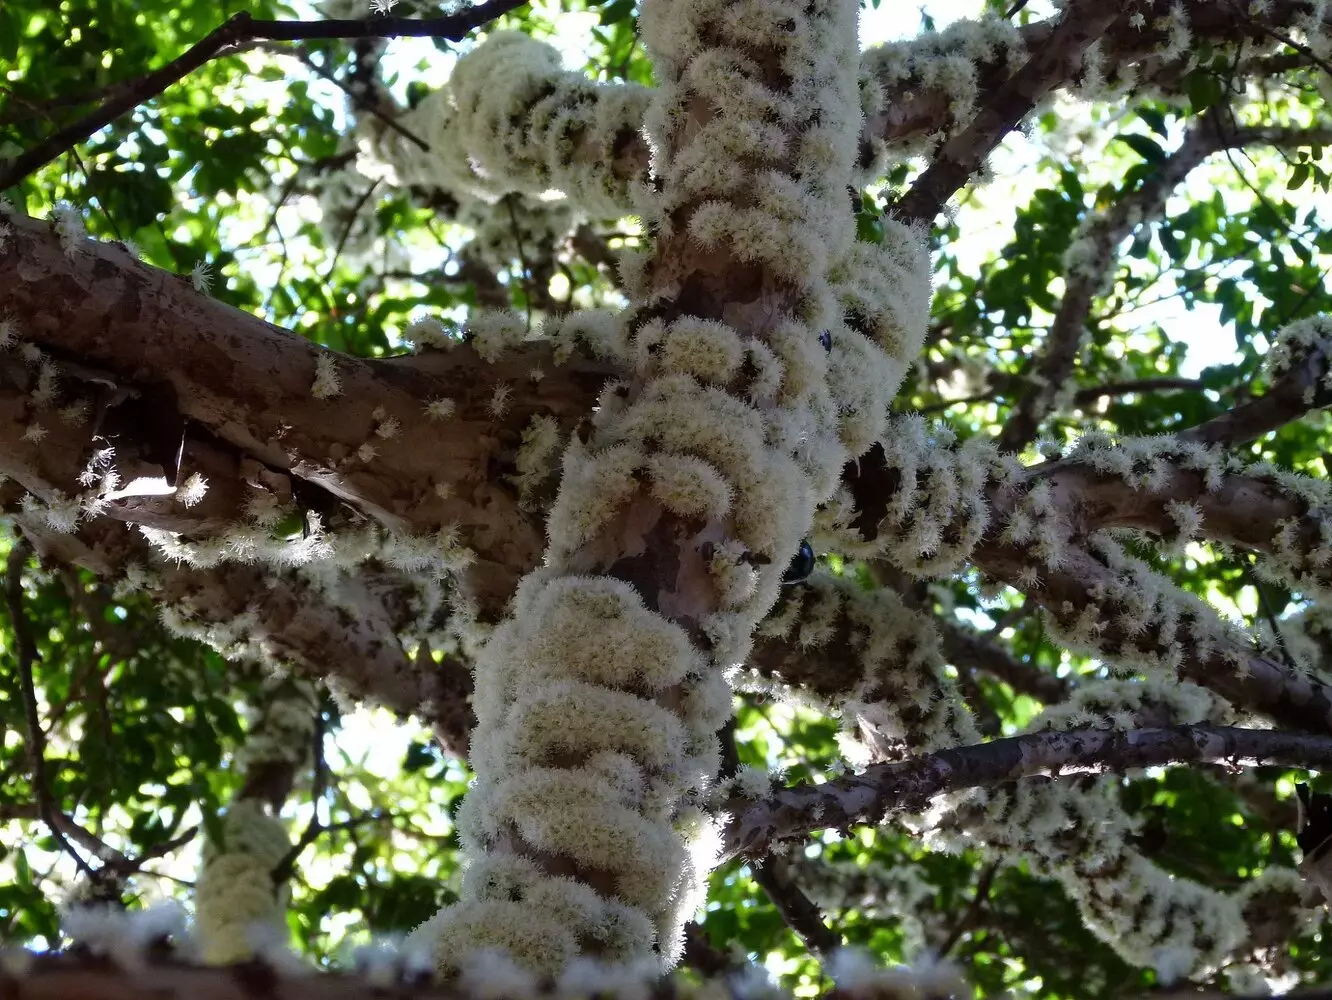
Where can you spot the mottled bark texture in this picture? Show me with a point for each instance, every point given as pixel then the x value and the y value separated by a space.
pixel 157 368
pixel 907 786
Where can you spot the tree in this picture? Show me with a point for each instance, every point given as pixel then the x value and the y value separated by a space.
pixel 607 425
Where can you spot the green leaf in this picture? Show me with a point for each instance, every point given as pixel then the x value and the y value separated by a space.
pixel 869 227
pixel 22 869
pixel 1147 148
pixel 1155 121
pixel 418 757
pixel 1204 90
pixel 618 10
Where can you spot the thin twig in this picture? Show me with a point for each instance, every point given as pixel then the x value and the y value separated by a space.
pixel 358 100
pixel 1268 612
pixel 522 259
pixel 1271 32
pixel 798 910
pixel 238 31
pixel 968 919
pixel 318 787
pixel 25 650
pixel 346 230
pixel 92 190
pixel 792 814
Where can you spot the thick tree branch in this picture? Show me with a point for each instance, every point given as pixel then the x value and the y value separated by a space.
pixel 1236 508
pixel 112 328
pixel 911 110
pixel 965 647
pixel 883 789
pixel 1232 668
pixel 1297 391
pixel 62 976
pixel 1099 607
pixel 1081 24
pixel 284 620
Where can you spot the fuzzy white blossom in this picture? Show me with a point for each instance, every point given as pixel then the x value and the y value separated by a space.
pixel 327 384
pixel 237 902
pixel 201 277
pixel 193 490
pixel 68 223
pixel 577 753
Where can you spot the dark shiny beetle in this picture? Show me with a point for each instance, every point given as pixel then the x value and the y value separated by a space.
pixel 802 564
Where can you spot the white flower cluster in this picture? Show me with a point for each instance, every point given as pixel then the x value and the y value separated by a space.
pixel 266 537
pixel 1301 556
pixel 537 457
pixel 1157 920
pixel 282 726
pixel 326 383
pixel 234 637
pixel 875 891
pixel 950 61
pixel 596 714
pixel 577 759
pixel 1156 624
pixel 1307 636
pixel 124 936
pixel 69 227
pixel 1091 257
pixel 58 512
pixel 903 700
pixel 938 513
pixel 516 228
pixel 599 331
pixel 1179 37
pixel 494 130
pixel 1311 22
pixel 45 393
pixel 884 292
pixel 512 118
pixel 1078 833
pixel 1124 704
pixel 858 975
pixel 258 539
pixel 238 907
pixel 1296 342
pixel 1145 463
